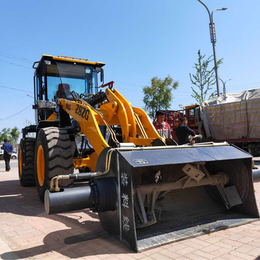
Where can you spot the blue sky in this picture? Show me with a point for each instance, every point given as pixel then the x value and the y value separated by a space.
pixel 136 39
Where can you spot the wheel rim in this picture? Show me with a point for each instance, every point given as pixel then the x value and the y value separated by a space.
pixel 40 165
pixel 20 162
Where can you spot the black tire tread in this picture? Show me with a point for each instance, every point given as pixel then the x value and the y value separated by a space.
pixel 59 156
pixel 27 176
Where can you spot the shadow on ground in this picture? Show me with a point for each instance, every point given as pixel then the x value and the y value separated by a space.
pixel 80 239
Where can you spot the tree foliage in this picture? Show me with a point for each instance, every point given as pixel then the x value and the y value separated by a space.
pixel 158 96
pixel 11 135
pixel 204 78
pixel 15 134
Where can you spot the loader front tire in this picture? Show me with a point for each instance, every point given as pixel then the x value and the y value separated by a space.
pixel 26 167
pixel 53 156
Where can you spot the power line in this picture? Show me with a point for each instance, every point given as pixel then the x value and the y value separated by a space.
pixel 257 84
pixel 15 64
pixel 6 118
pixel 15 57
pixel 16 89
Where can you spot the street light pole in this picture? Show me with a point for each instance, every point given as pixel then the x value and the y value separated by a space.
pixel 224 85
pixel 213 39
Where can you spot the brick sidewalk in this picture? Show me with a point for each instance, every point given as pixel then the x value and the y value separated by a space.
pixel 26 232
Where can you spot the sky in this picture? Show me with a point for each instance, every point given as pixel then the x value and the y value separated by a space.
pixel 137 40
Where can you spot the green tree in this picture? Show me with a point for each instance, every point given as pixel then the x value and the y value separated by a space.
pixel 204 78
pixel 15 134
pixel 4 134
pixel 11 135
pixel 181 106
pixel 158 96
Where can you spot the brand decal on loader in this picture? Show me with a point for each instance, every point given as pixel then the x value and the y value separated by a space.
pixel 140 161
pixel 82 112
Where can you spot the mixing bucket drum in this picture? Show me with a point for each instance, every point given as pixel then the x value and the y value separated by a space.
pixel 168 194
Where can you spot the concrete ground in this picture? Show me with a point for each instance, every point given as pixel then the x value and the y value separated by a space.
pixel 26 232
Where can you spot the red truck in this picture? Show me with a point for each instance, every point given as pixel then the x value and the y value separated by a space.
pixel 190 112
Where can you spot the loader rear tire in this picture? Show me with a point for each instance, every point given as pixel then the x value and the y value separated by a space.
pixel 53 156
pixel 26 171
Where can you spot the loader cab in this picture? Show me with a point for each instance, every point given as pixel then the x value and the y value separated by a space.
pixel 60 77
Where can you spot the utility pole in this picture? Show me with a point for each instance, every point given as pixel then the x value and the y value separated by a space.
pixel 213 39
pixel 224 85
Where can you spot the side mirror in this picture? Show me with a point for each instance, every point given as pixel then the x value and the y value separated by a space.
pixel 98 69
pixel 43 69
pixel 102 75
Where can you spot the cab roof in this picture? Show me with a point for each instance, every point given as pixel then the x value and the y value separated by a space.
pixel 67 59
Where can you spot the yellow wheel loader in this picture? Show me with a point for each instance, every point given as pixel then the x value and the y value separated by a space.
pixel 146 192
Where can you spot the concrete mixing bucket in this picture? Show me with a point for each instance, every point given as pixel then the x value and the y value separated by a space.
pixel 168 194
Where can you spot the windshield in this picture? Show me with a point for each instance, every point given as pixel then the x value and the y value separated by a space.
pixel 63 78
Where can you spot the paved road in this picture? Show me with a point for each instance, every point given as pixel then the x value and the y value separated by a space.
pixel 13 164
pixel 26 232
